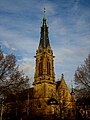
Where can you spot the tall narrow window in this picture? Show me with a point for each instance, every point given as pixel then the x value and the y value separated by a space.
pixel 48 68
pixel 40 68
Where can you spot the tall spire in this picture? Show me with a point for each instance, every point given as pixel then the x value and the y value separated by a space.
pixel 44 70
pixel 44 39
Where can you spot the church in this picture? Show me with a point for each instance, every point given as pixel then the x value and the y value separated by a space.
pixel 47 98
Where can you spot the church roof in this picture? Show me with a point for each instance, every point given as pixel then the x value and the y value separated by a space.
pixel 61 83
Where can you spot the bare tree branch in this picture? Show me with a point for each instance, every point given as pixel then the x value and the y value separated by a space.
pixel 82 79
pixel 11 79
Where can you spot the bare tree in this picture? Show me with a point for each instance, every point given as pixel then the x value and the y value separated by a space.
pixel 82 79
pixel 11 79
pixel 12 84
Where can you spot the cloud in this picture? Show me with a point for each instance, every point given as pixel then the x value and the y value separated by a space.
pixel 69 26
pixel 57 23
pixel 14 40
pixel 28 69
pixel 28 66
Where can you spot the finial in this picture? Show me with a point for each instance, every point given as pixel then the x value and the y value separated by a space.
pixel 62 76
pixel 44 11
pixel 44 18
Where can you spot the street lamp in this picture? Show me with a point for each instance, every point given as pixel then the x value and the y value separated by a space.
pixel 84 107
pixel 28 101
pixel 2 100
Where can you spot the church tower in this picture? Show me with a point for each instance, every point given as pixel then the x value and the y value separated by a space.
pixel 44 78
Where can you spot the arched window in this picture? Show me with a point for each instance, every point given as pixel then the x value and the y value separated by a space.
pixel 40 68
pixel 48 68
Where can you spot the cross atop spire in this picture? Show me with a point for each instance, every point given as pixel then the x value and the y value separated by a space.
pixel 44 18
pixel 44 11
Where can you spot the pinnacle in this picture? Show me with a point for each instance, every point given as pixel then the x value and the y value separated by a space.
pixel 62 76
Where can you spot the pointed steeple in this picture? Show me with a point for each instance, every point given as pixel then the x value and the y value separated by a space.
pixel 44 71
pixel 44 39
pixel 63 81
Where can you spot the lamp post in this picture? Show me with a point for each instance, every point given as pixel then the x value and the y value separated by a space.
pixel 28 102
pixel 2 100
pixel 84 106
